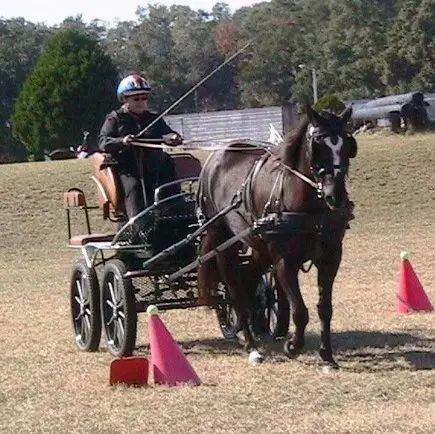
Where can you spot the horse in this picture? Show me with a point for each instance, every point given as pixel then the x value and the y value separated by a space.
pixel 296 198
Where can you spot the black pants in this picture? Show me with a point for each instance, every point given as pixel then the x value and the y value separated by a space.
pixel 158 169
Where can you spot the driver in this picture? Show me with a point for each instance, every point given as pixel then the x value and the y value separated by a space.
pixel 117 133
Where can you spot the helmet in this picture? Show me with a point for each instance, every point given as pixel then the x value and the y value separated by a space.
pixel 132 85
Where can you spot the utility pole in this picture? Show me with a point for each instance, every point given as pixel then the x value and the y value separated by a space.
pixel 314 79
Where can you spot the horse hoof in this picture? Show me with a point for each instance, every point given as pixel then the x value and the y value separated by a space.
pixel 327 357
pixel 291 350
pixel 328 369
pixel 255 358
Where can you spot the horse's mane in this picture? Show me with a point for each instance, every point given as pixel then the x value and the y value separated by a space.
pixel 290 149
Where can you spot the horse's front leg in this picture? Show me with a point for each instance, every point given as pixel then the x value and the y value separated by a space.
pixel 327 270
pixel 288 278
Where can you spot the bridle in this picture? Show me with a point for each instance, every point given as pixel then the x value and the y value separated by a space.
pixel 314 135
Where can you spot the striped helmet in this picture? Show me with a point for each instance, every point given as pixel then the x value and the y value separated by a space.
pixel 133 85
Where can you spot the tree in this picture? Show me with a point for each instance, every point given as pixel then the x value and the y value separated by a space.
pixel 331 103
pixel 70 89
pixel 267 72
pixel 21 43
pixel 409 61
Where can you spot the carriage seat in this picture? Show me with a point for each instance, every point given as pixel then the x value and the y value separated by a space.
pixel 109 190
pixel 82 240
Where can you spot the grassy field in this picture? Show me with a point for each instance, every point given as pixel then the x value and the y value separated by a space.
pixel 387 381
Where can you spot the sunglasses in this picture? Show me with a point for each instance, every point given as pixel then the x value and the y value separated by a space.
pixel 140 98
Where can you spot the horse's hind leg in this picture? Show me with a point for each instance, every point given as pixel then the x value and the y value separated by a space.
pixel 232 274
pixel 327 270
pixel 239 285
pixel 226 268
pixel 288 278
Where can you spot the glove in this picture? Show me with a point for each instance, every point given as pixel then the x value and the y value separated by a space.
pixel 127 139
pixel 173 139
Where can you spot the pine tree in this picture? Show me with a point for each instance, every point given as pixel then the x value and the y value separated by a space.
pixel 70 90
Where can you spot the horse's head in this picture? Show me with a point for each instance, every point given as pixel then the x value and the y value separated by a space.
pixel 329 146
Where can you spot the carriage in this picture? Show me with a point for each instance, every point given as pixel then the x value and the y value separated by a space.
pixel 152 259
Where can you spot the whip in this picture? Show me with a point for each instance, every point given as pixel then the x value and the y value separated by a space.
pixel 192 89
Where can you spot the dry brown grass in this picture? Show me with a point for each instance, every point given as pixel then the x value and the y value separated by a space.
pixel 386 384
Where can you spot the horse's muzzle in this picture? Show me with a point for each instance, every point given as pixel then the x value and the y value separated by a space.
pixel 329 192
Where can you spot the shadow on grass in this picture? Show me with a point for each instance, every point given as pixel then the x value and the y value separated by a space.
pixel 380 350
pixel 354 350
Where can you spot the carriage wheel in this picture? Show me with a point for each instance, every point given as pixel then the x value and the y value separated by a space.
pixel 227 317
pixel 118 309
pixel 271 316
pixel 85 307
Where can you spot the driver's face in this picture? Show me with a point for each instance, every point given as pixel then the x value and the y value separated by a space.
pixel 137 103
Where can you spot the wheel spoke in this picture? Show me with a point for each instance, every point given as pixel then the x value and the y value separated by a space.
pixel 77 299
pixel 88 322
pixel 120 330
pixel 267 317
pixel 79 289
pixel 83 330
pixel 85 289
pixel 112 292
pixel 118 291
pixel 115 341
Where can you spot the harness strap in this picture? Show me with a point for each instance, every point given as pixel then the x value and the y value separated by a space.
pixel 210 255
pixel 250 182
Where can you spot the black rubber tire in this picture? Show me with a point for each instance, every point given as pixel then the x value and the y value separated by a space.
pixel 118 309
pixel 85 307
pixel 271 316
pixel 272 313
pixel 227 317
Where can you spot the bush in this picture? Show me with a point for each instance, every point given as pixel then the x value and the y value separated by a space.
pixel 331 103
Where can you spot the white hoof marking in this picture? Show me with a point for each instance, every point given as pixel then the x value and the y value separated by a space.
pixel 255 358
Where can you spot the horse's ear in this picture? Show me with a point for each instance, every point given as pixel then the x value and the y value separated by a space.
pixel 346 114
pixel 314 117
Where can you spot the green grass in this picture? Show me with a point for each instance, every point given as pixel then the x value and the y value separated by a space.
pixel 386 384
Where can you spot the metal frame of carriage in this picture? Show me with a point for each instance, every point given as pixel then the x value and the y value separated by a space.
pixel 152 259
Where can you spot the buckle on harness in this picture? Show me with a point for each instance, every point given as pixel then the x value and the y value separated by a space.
pixel 319 190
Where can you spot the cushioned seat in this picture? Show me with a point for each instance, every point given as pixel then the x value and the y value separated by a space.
pixel 81 240
pixel 109 190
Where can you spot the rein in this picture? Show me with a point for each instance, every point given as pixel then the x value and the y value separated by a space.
pixel 253 145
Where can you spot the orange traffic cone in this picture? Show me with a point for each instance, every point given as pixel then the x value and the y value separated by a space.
pixel 132 371
pixel 410 295
pixel 168 362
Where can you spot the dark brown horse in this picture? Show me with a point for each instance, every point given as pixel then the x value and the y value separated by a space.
pixel 297 200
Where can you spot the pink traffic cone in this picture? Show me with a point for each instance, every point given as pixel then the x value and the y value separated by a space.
pixel 410 295
pixel 170 365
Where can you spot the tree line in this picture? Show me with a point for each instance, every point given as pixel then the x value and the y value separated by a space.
pixel 57 81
